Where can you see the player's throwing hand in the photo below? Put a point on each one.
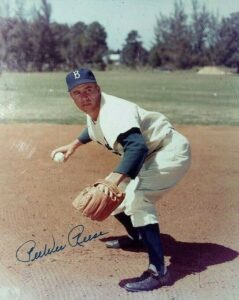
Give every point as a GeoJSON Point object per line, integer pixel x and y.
{"type": "Point", "coordinates": [67, 150]}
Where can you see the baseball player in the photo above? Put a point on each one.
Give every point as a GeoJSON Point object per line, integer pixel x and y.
{"type": "Point", "coordinates": [154, 157]}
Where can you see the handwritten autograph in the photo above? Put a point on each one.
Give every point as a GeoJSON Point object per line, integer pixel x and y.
{"type": "Point", "coordinates": [27, 252]}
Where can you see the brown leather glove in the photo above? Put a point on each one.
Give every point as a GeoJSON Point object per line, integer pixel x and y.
{"type": "Point", "coordinates": [95, 203]}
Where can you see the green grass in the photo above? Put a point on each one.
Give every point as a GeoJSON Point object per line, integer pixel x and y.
{"type": "Point", "coordinates": [185, 97]}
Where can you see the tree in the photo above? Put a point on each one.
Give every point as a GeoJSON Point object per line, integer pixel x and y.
{"type": "Point", "coordinates": [45, 52]}
{"type": "Point", "coordinates": [212, 38]}
{"type": "Point", "coordinates": [38, 44]}
{"type": "Point", "coordinates": [199, 29]}
{"type": "Point", "coordinates": [21, 42]}
{"type": "Point", "coordinates": [77, 42]}
{"type": "Point", "coordinates": [180, 37]}
{"type": "Point", "coordinates": [3, 42]}
{"type": "Point", "coordinates": [133, 53]}
{"type": "Point", "coordinates": [61, 36]}
{"type": "Point", "coordinates": [155, 57]}
{"type": "Point", "coordinates": [204, 29]}
{"type": "Point", "coordinates": [94, 44]}
{"type": "Point", "coordinates": [172, 40]}
{"type": "Point", "coordinates": [228, 42]}
{"type": "Point", "coordinates": [14, 43]}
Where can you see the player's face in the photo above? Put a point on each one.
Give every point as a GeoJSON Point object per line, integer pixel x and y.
{"type": "Point", "coordinates": [87, 98]}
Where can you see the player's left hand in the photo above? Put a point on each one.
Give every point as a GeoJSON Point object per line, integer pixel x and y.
{"type": "Point", "coordinates": [105, 189]}
{"type": "Point", "coordinates": [99, 200]}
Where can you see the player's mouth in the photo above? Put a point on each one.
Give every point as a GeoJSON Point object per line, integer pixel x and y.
{"type": "Point", "coordinates": [86, 104]}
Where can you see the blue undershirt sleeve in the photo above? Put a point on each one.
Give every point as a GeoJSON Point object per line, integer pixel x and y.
{"type": "Point", "coordinates": [135, 152]}
{"type": "Point", "coordinates": [84, 137]}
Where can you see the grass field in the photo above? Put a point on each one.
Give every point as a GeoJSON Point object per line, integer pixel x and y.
{"type": "Point", "coordinates": [185, 97]}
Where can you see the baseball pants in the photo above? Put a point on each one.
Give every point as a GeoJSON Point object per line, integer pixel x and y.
{"type": "Point", "coordinates": [161, 171]}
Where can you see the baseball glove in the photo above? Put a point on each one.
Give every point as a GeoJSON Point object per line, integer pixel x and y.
{"type": "Point", "coordinates": [95, 203]}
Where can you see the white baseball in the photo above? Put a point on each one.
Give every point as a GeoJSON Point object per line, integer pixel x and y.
{"type": "Point", "coordinates": [59, 157]}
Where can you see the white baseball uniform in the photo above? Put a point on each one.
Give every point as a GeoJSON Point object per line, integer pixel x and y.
{"type": "Point", "coordinates": [167, 161]}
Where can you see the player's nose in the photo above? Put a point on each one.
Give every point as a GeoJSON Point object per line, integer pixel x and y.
{"type": "Point", "coordinates": [84, 96]}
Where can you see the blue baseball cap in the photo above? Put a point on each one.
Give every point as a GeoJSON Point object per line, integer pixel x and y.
{"type": "Point", "coordinates": [78, 77]}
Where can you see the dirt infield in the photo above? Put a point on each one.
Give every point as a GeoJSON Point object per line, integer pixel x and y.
{"type": "Point", "coordinates": [198, 218]}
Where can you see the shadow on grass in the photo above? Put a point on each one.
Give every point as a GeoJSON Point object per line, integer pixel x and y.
{"type": "Point", "coordinates": [187, 258]}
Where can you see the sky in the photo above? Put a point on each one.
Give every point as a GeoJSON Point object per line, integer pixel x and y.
{"type": "Point", "coordinates": [119, 17]}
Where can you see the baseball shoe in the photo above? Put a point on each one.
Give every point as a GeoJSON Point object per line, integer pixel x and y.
{"type": "Point", "coordinates": [124, 242]}
{"type": "Point", "coordinates": [148, 281]}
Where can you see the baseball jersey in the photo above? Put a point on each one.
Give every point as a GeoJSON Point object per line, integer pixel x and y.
{"type": "Point", "coordinates": [118, 116]}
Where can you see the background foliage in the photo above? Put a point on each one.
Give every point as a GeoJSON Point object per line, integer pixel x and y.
{"type": "Point", "coordinates": [181, 41]}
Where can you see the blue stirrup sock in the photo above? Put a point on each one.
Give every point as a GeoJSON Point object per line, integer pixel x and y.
{"type": "Point", "coordinates": [151, 238]}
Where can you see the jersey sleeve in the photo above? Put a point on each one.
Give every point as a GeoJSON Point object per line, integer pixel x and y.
{"type": "Point", "coordinates": [84, 137]}
{"type": "Point", "coordinates": [135, 152]}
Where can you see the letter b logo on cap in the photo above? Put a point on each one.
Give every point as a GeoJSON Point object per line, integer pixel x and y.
{"type": "Point", "coordinates": [78, 77]}
{"type": "Point", "coordinates": [76, 74]}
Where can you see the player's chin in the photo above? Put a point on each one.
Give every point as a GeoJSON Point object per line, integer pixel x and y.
{"type": "Point", "coordinates": [89, 108]}
{"type": "Point", "coordinates": [84, 108]}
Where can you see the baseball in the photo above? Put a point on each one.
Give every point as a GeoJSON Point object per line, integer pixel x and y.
{"type": "Point", "coordinates": [59, 157]}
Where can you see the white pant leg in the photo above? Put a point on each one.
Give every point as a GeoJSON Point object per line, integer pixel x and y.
{"type": "Point", "coordinates": [159, 173]}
